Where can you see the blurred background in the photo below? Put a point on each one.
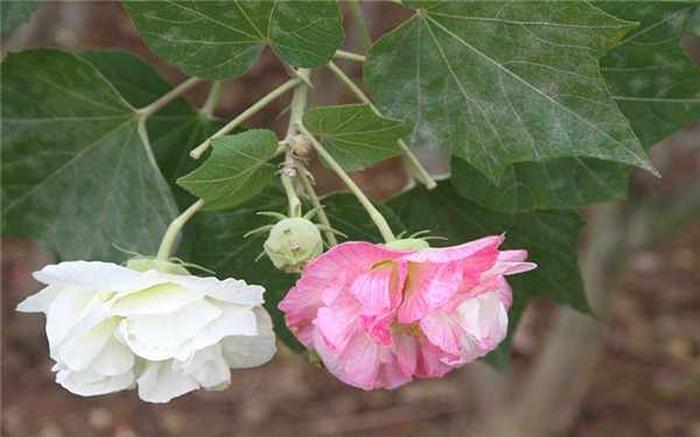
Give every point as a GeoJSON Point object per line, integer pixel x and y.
{"type": "Point", "coordinates": [633, 371]}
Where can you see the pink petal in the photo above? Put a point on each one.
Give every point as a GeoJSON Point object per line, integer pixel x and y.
{"type": "Point", "coordinates": [373, 290]}
{"type": "Point", "coordinates": [335, 269]}
{"type": "Point", "coordinates": [438, 328]}
{"type": "Point", "coordinates": [405, 348]}
{"type": "Point", "coordinates": [392, 376]}
{"type": "Point", "coordinates": [339, 323]}
{"type": "Point", "coordinates": [300, 306]}
{"type": "Point", "coordinates": [430, 361]}
{"type": "Point", "coordinates": [454, 253]}
{"type": "Point", "coordinates": [484, 318]}
{"type": "Point", "coordinates": [362, 362]}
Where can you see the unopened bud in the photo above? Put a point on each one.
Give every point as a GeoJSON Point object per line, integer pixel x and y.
{"type": "Point", "coordinates": [292, 243]}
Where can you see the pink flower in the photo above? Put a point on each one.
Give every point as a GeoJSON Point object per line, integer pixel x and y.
{"type": "Point", "coordinates": [379, 316]}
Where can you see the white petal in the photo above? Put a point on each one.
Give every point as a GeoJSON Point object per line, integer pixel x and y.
{"type": "Point", "coordinates": [158, 337]}
{"type": "Point", "coordinates": [157, 299]}
{"type": "Point", "coordinates": [88, 383]}
{"type": "Point", "coordinates": [229, 290]}
{"type": "Point", "coordinates": [78, 351]}
{"type": "Point", "coordinates": [243, 352]}
{"type": "Point", "coordinates": [114, 359]}
{"type": "Point", "coordinates": [160, 382]}
{"type": "Point", "coordinates": [40, 302]}
{"type": "Point", "coordinates": [93, 275]}
{"type": "Point", "coordinates": [208, 367]}
{"type": "Point", "coordinates": [64, 313]}
{"type": "Point", "coordinates": [234, 320]}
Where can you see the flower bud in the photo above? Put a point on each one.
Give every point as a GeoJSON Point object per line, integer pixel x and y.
{"type": "Point", "coordinates": [292, 242]}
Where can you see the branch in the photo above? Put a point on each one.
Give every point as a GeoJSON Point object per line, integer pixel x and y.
{"type": "Point", "coordinates": [254, 108]}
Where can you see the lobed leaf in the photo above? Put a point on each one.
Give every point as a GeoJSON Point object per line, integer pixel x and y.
{"type": "Point", "coordinates": [655, 84]}
{"type": "Point", "coordinates": [355, 135]}
{"type": "Point", "coordinates": [14, 13]}
{"type": "Point", "coordinates": [498, 83]}
{"type": "Point", "coordinates": [173, 130]}
{"type": "Point", "coordinates": [236, 170]}
{"type": "Point", "coordinates": [222, 39]}
{"type": "Point", "coordinates": [78, 172]}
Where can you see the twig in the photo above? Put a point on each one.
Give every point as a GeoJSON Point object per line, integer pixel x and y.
{"type": "Point", "coordinates": [254, 108]}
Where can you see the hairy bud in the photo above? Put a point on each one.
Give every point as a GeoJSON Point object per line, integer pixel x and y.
{"type": "Point", "coordinates": [292, 242]}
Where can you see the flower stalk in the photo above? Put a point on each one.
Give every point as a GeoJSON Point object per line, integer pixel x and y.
{"type": "Point", "coordinates": [173, 231]}
{"type": "Point", "coordinates": [373, 212]}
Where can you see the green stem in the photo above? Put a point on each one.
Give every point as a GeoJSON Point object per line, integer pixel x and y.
{"type": "Point", "coordinates": [286, 178]}
{"type": "Point", "coordinates": [316, 202]}
{"type": "Point", "coordinates": [168, 97]}
{"type": "Point", "coordinates": [342, 54]}
{"type": "Point", "coordinates": [171, 234]}
{"type": "Point", "coordinates": [414, 165]}
{"type": "Point", "coordinates": [373, 212]}
{"type": "Point", "coordinates": [356, 11]}
{"type": "Point", "coordinates": [250, 111]}
{"type": "Point", "coordinates": [212, 99]}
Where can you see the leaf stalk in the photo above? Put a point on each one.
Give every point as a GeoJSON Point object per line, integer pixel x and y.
{"type": "Point", "coordinates": [168, 97]}
{"type": "Point", "coordinates": [243, 116]}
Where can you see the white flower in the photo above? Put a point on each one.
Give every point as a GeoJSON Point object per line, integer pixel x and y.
{"type": "Point", "coordinates": [111, 328]}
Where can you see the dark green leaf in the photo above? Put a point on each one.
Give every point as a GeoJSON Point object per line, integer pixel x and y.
{"type": "Point", "coordinates": [346, 215]}
{"type": "Point", "coordinates": [14, 13]}
{"type": "Point", "coordinates": [560, 183]}
{"type": "Point", "coordinates": [236, 170]}
{"type": "Point", "coordinates": [551, 238]}
{"type": "Point", "coordinates": [653, 81]}
{"type": "Point", "coordinates": [77, 171]}
{"type": "Point", "coordinates": [503, 82]}
{"type": "Point", "coordinates": [355, 135]}
{"type": "Point", "coordinates": [221, 39]}
{"type": "Point", "coordinates": [174, 130]}
{"type": "Point", "coordinates": [651, 58]}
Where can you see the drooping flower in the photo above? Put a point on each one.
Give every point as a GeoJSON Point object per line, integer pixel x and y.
{"type": "Point", "coordinates": [112, 328]}
{"type": "Point", "coordinates": [381, 315]}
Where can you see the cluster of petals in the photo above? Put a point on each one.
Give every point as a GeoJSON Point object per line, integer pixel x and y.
{"type": "Point", "coordinates": [379, 317]}
{"type": "Point", "coordinates": [111, 328]}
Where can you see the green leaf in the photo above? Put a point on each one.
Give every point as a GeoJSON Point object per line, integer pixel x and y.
{"type": "Point", "coordinates": [174, 130]}
{"type": "Point", "coordinates": [551, 238]}
{"type": "Point", "coordinates": [560, 183]}
{"type": "Point", "coordinates": [236, 170]}
{"type": "Point", "coordinates": [222, 39]}
{"type": "Point", "coordinates": [355, 135]}
{"type": "Point", "coordinates": [77, 173]}
{"type": "Point", "coordinates": [503, 82]}
{"type": "Point", "coordinates": [668, 99]}
{"type": "Point", "coordinates": [14, 13]}
{"type": "Point", "coordinates": [656, 85]}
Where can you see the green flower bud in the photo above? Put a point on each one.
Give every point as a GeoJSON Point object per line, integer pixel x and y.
{"type": "Point", "coordinates": [142, 264]}
{"type": "Point", "coordinates": [292, 242]}
{"type": "Point", "coordinates": [408, 243]}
